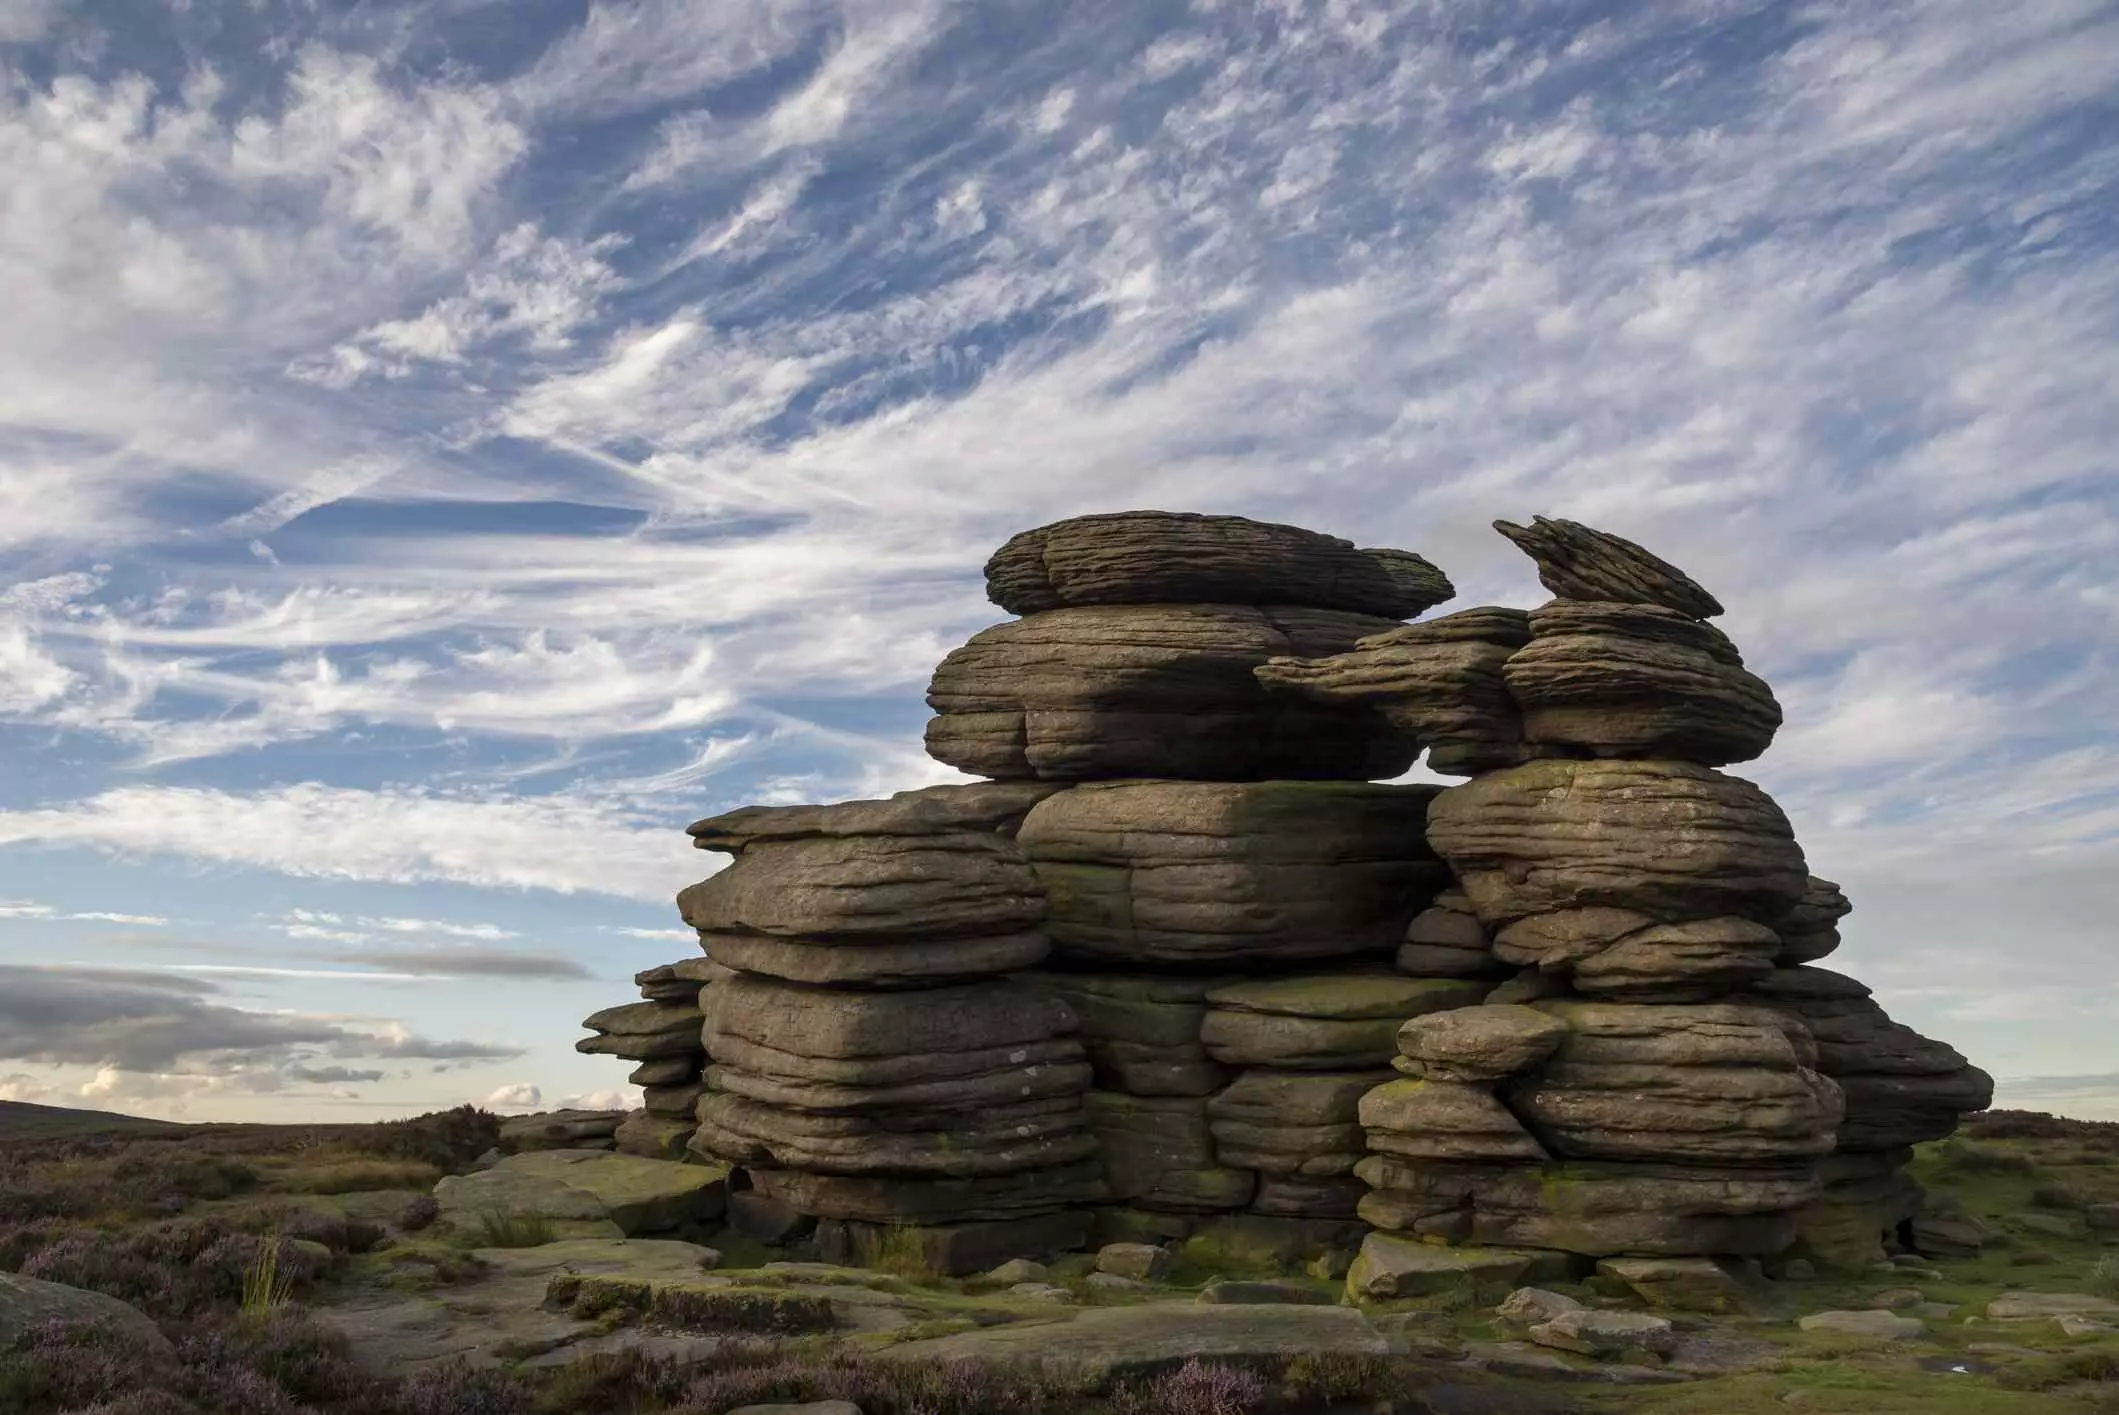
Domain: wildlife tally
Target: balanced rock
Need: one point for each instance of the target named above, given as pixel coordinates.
(1481, 1043)
(1292, 1124)
(1579, 562)
(642, 1031)
(1439, 682)
(1701, 1084)
(1445, 1120)
(1161, 690)
(1163, 557)
(1638, 680)
(1669, 840)
(1208, 873)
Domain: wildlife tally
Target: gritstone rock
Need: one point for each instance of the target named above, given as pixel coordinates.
(1161, 690)
(1163, 557)
(1147, 872)
(1578, 562)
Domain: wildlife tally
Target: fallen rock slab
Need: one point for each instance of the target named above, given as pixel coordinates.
(27, 1303)
(1390, 1267)
(1103, 1345)
(1883, 1326)
(633, 1196)
(2048, 1306)
(1597, 1333)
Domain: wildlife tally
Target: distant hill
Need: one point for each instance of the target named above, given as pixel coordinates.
(24, 1121)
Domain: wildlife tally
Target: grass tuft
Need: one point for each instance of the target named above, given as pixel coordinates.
(513, 1230)
(267, 1287)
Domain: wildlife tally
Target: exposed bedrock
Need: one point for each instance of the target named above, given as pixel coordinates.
(1165, 557)
(1215, 874)
(1154, 690)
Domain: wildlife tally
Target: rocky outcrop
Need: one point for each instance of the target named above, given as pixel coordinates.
(1578, 562)
(663, 1035)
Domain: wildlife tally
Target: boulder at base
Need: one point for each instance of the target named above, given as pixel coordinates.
(27, 1303)
(587, 1193)
(1104, 1345)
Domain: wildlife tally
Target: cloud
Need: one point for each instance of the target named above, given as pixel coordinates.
(627, 1099)
(130, 1020)
(467, 962)
(23, 909)
(522, 1095)
(401, 837)
(674, 935)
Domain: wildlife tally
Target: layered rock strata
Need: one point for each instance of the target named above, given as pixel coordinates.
(662, 1035)
(875, 1059)
(1661, 1075)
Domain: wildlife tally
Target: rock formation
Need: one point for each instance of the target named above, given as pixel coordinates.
(1182, 960)
(1665, 1074)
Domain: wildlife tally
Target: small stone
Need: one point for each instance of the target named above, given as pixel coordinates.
(1112, 1282)
(1228, 1290)
(1897, 1299)
(1523, 1362)
(1528, 1305)
(1143, 1262)
(1933, 1311)
(2082, 1326)
(1390, 1267)
(1041, 1292)
(1605, 1333)
(1017, 1270)
(2051, 1225)
(1883, 1326)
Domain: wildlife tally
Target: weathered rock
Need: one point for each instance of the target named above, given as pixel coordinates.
(956, 1249)
(849, 889)
(633, 1196)
(1699, 1084)
(1810, 931)
(1159, 1153)
(1103, 1345)
(27, 1303)
(1694, 961)
(1527, 1306)
(1438, 682)
(1883, 1326)
(1166, 690)
(769, 1221)
(1638, 680)
(1334, 1022)
(929, 1201)
(1292, 1124)
(1205, 873)
(1445, 1120)
(673, 1102)
(881, 964)
(1333, 1196)
(1480, 1043)
(998, 1140)
(1591, 1208)
(642, 1031)
(560, 1130)
(1579, 562)
(1680, 1284)
(651, 1136)
(1142, 1262)
(680, 1070)
(666, 984)
(1446, 940)
(1165, 557)
(1669, 840)
(2048, 1306)
(812, 1022)
(1019, 1270)
(1601, 1333)
(1901, 1088)
(1390, 1267)
(978, 808)
(1867, 1195)
(1141, 1030)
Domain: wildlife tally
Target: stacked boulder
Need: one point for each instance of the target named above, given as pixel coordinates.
(1226, 886)
(1649, 1081)
(662, 1035)
(878, 1061)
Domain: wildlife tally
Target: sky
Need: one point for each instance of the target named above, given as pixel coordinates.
(446, 446)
